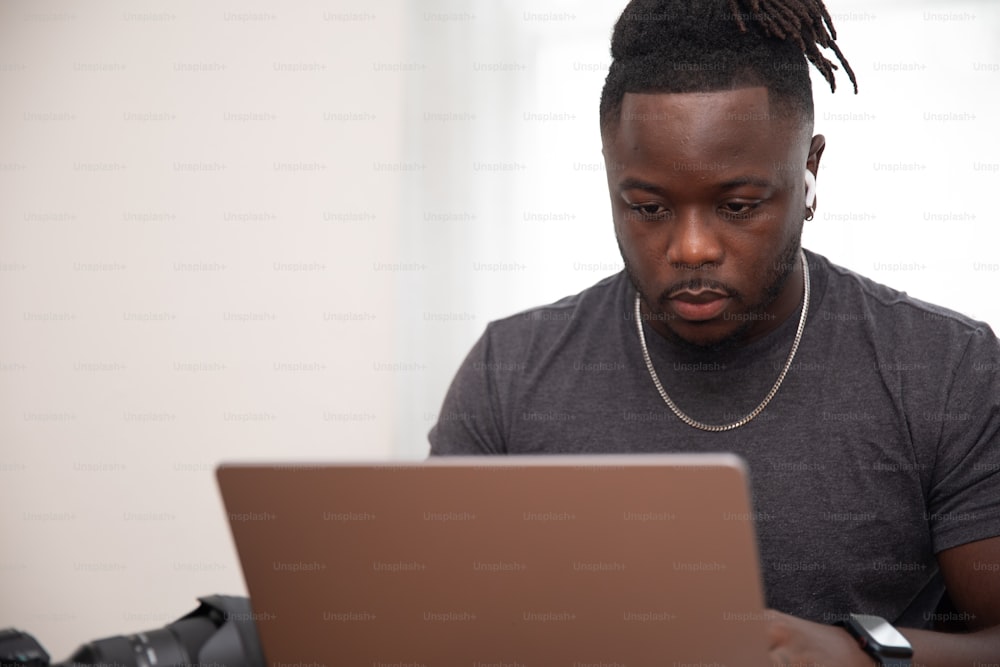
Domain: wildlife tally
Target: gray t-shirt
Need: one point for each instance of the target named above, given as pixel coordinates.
(881, 448)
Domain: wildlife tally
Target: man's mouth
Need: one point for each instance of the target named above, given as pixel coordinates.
(698, 305)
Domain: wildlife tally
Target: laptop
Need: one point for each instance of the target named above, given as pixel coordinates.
(541, 561)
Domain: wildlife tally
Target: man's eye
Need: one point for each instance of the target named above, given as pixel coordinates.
(739, 209)
(648, 210)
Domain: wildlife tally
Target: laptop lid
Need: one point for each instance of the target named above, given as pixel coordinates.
(501, 561)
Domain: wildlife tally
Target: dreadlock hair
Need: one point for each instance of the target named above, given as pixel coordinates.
(681, 46)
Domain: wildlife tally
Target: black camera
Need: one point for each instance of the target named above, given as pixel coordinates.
(219, 633)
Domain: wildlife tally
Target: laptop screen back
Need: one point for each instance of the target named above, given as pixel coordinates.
(501, 562)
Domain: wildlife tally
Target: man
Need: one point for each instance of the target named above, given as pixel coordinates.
(870, 420)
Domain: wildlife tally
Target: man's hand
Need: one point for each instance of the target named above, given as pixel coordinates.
(795, 641)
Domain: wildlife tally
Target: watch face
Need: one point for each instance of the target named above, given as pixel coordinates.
(881, 636)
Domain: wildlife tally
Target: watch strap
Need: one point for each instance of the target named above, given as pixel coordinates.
(893, 662)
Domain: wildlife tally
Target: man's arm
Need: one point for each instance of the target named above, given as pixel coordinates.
(972, 577)
(469, 422)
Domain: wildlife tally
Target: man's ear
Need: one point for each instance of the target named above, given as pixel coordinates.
(816, 148)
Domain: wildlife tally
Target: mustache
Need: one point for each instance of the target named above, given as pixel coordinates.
(697, 285)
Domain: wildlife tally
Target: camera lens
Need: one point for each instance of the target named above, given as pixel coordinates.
(176, 644)
(220, 632)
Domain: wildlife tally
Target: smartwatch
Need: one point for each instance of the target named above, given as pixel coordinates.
(879, 639)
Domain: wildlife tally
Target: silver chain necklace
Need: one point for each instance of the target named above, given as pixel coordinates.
(767, 399)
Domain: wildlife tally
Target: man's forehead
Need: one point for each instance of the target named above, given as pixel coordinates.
(734, 122)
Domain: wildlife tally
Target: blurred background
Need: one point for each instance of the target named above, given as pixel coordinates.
(258, 231)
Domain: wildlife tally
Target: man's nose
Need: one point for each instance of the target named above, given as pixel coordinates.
(694, 240)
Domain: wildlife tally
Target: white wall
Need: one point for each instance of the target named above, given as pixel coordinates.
(237, 230)
(197, 202)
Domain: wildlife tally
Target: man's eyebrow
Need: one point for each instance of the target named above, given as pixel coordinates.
(632, 183)
(746, 180)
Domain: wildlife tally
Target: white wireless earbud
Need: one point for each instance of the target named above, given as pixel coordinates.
(810, 189)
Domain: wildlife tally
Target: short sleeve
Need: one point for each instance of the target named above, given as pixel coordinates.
(964, 501)
(467, 424)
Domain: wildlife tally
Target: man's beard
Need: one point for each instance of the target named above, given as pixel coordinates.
(776, 279)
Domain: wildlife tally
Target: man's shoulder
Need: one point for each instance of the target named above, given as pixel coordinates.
(591, 308)
(852, 297)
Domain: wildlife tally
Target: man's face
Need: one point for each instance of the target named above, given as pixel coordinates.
(708, 197)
